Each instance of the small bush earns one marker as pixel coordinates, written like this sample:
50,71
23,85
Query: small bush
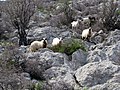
5,43
9,53
69,47
37,86
85,88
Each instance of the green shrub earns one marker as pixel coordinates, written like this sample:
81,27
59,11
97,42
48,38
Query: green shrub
85,88
40,8
69,47
37,86
5,43
64,1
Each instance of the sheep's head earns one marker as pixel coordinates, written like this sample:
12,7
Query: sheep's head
60,40
44,42
92,18
90,32
80,18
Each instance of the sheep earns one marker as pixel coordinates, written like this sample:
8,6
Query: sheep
85,20
87,33
56,42
35,45
88,20
75,24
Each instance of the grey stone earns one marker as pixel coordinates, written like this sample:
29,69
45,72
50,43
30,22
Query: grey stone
78,59
95,73
37,62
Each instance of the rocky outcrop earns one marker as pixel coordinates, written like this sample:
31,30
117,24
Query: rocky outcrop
108,50
112,84
96,73
37,62
10,80
53,67
96,69
79,58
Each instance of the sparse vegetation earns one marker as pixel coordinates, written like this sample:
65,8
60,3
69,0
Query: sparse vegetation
19,13
85,88
67,11
8,56
110,15
37,86
69,47
45,69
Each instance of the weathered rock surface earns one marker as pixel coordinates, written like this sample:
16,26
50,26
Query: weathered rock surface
108,50
96,69
79,58
96,73
37,62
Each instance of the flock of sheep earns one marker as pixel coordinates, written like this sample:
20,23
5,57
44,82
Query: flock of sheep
35,45
86,34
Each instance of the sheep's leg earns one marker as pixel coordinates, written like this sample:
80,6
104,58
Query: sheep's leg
72,28
88,39
83,38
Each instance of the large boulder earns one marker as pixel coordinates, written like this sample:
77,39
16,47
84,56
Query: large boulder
57,76
113,38
96,73
9,80
78,59
37,62
114,53
112,84
56,85
96,56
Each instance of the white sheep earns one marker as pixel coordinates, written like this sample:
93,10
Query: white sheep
87,33
85,20
35,45
75,24
88,20
57,42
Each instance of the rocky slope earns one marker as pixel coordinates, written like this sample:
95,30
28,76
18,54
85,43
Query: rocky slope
97,68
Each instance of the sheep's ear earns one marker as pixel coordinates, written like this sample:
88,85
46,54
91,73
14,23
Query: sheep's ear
61,38
44,38
81,19
89,17
90,29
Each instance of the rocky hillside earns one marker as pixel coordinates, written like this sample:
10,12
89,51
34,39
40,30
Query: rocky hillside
77,64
